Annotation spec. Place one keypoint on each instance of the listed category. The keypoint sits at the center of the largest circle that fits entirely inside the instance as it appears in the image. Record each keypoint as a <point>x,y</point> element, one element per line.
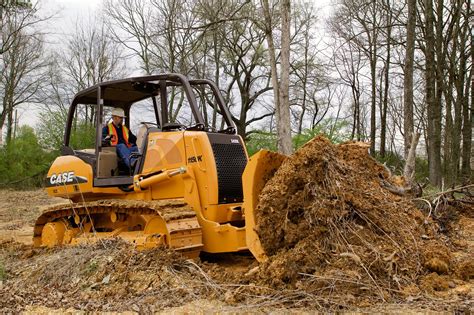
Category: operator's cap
<point>118,112</point>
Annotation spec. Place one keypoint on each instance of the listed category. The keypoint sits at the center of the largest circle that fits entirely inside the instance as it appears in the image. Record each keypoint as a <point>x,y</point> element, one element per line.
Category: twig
<point>447,191</point>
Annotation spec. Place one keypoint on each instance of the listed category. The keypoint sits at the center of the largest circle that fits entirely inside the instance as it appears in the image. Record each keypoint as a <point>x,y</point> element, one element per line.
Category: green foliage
<point>393,160</point>
<point>82,136</point>
<point>261,140</point>
<point>334,131</point>
<point>396,163</point>
<point>430,191</point>
<point>422,172</point>
<point>23,163</point>
<point>51,132</point>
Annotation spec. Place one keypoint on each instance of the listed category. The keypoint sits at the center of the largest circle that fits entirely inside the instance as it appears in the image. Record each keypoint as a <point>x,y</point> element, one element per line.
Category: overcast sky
<point>67,12</point>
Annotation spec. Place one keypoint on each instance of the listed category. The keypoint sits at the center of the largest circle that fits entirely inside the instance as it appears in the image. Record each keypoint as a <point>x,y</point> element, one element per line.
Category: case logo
<point>65,178</point>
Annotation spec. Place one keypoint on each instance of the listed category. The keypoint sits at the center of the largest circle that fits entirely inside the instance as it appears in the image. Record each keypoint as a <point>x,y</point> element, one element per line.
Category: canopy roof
<point>122,93</point>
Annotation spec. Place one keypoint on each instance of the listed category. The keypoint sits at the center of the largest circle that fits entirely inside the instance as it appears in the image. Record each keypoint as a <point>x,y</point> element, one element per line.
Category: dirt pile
<point>328,224</point>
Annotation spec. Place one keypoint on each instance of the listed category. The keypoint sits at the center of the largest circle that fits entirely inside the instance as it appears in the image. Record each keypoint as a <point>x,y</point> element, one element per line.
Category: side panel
<point>206,179</point>
<point>200,159</point>
<point>69,177</point>
<point>165,151</point>
<point>218,161</point>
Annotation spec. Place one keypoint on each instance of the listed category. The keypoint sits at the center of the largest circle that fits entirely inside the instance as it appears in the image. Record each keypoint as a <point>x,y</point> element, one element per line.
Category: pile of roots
<point>328,224</point>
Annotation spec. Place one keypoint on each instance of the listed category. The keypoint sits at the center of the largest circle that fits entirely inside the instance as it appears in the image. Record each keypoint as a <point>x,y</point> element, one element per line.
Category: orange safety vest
<point>113,133</point>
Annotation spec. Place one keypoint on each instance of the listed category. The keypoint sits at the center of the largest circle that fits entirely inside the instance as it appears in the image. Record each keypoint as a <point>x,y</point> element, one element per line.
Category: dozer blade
<point>260,168</point>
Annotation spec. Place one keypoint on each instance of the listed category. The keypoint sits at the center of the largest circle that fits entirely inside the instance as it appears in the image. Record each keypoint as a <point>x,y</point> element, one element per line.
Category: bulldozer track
<point>171,211</point>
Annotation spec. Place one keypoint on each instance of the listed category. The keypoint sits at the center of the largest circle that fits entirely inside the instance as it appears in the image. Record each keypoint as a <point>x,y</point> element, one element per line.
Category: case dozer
<point>192,187</point>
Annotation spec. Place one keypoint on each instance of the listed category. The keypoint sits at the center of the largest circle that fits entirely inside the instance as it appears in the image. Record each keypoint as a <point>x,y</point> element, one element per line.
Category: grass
<point>91,267</point>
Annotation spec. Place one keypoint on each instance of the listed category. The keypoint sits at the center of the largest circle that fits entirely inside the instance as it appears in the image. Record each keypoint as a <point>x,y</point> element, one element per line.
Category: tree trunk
<point>433,107</point>
<point>281,91</point>
<point>304,84</point>
<point>9,126</point>
<point>284,123</point>
<point>468,115</point>
<point>408,124</point>
<point>373,75</point>
<point>458,104</point>
<point>448,124</point>
<point>272,55</point>
<point>409,169</point>
<point>383,116</point>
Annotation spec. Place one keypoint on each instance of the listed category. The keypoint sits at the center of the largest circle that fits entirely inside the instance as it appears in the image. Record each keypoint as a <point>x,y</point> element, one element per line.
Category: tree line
<point>389,72</point>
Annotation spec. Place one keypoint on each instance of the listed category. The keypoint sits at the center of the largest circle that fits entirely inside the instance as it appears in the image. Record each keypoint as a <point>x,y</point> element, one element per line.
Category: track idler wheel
<point>53,234</point>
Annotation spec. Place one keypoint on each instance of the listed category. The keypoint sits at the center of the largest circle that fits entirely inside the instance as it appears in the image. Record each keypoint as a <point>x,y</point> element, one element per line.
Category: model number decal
<point>194,159</point>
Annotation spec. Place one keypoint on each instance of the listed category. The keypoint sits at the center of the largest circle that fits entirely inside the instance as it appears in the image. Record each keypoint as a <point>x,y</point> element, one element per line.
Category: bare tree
<point>89,57</point>
<point>348,62</point>
<point>129,23</point>
<point>359,22</point>
<point>19,58</point>
<point>408,124</point>
<point>433,107</point>
<point>15,17</point>
<point>280,85</point>
<point>21,76</point>
<point>244,55</point>
<point>468,112</point>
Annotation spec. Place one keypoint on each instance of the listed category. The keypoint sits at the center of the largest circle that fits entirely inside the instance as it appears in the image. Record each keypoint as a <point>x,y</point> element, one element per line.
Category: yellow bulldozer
<point>192,187</point>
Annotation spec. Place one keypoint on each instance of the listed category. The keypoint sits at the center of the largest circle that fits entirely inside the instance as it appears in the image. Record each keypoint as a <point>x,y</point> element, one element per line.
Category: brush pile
<point>328,223</point>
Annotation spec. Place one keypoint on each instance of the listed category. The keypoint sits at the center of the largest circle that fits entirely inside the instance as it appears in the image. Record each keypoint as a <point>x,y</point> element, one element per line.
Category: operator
<point>120,137</point>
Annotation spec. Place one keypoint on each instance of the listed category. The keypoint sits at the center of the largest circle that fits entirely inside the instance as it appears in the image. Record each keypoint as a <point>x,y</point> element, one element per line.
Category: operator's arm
<point>105,132</point>
<point>106,137</point>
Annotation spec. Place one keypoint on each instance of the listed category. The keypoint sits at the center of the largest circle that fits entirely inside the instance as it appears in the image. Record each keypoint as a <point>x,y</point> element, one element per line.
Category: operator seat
<point>141,135</point>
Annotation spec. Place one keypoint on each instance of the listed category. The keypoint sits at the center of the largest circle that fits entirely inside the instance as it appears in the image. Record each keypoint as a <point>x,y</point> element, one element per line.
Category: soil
<point>325,212</point>
<point>18,213</point>
<point>335,237</point>
<point>329,224</point>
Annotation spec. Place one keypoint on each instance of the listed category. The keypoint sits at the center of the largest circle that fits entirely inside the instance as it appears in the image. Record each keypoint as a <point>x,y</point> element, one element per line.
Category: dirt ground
<point>18,212</point>
<point>114,277</point>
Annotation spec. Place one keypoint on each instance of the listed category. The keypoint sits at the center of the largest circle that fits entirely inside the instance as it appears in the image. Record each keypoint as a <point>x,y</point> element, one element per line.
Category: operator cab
<point>159,103</point>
